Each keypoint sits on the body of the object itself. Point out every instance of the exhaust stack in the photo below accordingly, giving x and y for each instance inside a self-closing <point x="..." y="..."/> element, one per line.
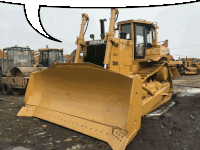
<point x="102" y="28"/>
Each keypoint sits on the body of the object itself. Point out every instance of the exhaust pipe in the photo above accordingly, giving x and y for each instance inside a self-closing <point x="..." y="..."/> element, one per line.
<point x="102" y="28"/>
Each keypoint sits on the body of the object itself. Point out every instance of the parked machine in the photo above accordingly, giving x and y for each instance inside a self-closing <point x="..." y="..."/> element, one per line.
<point x="18" y="57"/>
<point x="49" y="56"/>
<point x="190" y="65"/>
<point x="176" y="67"/>
<point x="17" y="65"/>
<point x="119" y="81"/>
<point x="196" y="61"/>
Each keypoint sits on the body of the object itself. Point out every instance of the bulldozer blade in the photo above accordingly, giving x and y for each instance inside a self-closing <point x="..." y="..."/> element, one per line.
<point x="89" y="99"/>
<point x="174" y="72"/>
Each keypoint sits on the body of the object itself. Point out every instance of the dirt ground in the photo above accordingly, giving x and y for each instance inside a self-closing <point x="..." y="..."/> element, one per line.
<point x="177" y="129"/>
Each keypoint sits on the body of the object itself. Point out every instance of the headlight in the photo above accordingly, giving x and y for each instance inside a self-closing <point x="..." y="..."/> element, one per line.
<point x="148" y="60"/>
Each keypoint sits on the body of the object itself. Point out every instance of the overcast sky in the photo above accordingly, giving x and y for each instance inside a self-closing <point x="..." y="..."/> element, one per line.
<point x="179" y="24"/>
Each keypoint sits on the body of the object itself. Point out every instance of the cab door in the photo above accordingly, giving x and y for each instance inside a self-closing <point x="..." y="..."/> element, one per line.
<point x="139" y="42"/>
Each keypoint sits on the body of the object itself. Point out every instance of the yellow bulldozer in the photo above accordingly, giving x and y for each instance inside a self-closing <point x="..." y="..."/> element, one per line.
<point x="196" y="62"/>
<point x="176" y="67"/>
<point x="119" y="81"/>
<point x="190" y="65"/>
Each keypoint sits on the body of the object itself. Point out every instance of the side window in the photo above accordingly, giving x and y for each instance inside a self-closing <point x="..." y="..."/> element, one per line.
<point x="125" y="31"/>
<point x="10" y="54"/>
<point x="149" y="37"/>
<point x="44" y="56"/>
<point x="153" y="35"/>
<point x="5" y="54"/>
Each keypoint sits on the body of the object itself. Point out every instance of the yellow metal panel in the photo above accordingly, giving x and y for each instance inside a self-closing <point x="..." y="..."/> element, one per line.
<point x="125" y="69"/>
<point x="174" y="72"/>
<point x="109" y="111"/>
<point x="114" y="63"/>
<point x="149" y="103"/>
<point x="135" y="108"/>
<point x="187" y="72"/>
<point x="127" y="56"/>
<point x="114" y="137"/>
<point x="26" y="111"/>
<point x="98" y="95"/>
<point x="173" y="63"/>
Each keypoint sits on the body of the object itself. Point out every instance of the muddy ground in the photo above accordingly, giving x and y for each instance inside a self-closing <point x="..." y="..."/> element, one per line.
<point x="177" y="129"/>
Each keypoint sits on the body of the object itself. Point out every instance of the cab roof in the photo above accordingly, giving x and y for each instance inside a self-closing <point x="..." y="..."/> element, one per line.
<point x="49" y="49"/>
<point x="154" y="24"/>
<point x="24" y="48"/>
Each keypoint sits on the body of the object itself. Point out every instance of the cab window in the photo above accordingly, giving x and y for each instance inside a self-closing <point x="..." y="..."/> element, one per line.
<point x="125" y="31"/>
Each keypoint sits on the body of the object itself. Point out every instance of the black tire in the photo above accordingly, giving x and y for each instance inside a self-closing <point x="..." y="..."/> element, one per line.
<point x="6" y="89"/>
<point x="16" y="91"/>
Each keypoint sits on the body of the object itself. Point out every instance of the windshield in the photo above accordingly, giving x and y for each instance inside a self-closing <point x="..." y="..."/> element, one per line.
<point x="194" y="60"/>
<point x="22" y="58"/>
<point x="55" y="56"/>
<point x="44" y="58"/>
<point x="16" y="57"/>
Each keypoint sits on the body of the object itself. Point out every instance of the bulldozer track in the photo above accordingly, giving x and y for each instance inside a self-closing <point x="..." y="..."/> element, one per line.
<point x="147" y="72"/>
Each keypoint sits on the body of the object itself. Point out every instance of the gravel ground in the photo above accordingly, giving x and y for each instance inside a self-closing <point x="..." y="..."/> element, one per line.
<point x="178" y="129"/>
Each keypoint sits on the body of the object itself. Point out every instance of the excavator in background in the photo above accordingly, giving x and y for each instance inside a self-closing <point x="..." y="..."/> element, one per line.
<point x="190" y="65"/>
<point x="65" y="57"/>
<point x="70" y="58"/>
<point x="105" y="93"/>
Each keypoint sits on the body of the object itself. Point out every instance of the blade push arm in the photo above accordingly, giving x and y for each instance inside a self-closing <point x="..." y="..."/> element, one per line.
<point x="80" y="39"/>
<point x="110" y="36"/>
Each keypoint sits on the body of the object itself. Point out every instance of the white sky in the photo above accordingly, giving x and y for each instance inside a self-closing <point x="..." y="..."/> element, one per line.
<point x="179" y="24"/>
